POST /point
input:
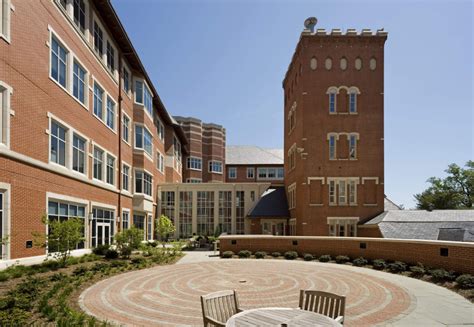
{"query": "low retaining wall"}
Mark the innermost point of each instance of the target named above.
(457, 256)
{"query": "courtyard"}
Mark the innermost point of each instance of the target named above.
(169, 295)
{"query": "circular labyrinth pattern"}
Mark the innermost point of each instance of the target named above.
(169, 295)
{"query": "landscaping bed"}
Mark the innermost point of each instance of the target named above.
(49, 292)
(462, 284)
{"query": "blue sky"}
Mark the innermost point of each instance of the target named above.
(224, 61)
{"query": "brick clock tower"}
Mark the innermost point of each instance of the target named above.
(334, 130)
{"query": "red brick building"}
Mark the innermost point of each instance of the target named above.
(246, 164)
(206, 158)
(83, 132)
(334, 131)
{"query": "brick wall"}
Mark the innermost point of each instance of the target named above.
(460, 254)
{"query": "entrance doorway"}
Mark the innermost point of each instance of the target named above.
(104, 234)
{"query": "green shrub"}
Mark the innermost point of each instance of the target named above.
(325, 258)
(51, 264)
(397, 266)
(111, 254)
(245, 254)
(79, 271)
(99, 266)
(379, 264)
(417, 271)
(138, 261)
(360, 262)
(101, 249)
(260, 254)
(465, 281)
(276, 254)
(72, 261)
(441, 275)
(308, 257)
(153, 244)
(291, 255)
(342, 259)
(57, 277)
(4, 276)
(228, 254)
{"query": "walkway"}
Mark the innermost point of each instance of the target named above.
(169, 295)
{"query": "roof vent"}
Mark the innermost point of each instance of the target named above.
(310, 23)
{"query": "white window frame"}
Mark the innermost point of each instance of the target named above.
(356, 141)
(252, 171)
(5, 20)
(211, 167)
(143, 126)
(145, 85)
(160, 162)
(143, 171)
(70, 131)
(104, 164)
(5, 112)
(105, 96)
(160, 130)
(114, 165)
(125, 211)
(86, 154)
(129, 177)
(71, 58)
(292, 196)
(189, 163)
(5, 225)
(334, 136)
(130, 79)
(232, 172)
(128, 128)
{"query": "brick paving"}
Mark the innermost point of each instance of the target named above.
(169, 295)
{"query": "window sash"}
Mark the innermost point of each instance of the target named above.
(98, 39)
(58, 62)
(342, 199)
(110, 169)
(332, 147)
(79, 83)
(332, 102)
(78, 154)
(58, 144)
(233, 172)
(250, 172)
(125, 128)
(98, 101)
(352, 103)
(110, 113)
(110, 57)
(98, 163)
(125, 177)
(80, 14)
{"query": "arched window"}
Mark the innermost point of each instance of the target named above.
(332, 93)
(352, 93)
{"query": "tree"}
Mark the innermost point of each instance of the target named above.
(164, 227)
(128, 240)
(63, 236)
(456, 191)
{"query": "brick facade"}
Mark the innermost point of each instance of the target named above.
(342, 64)
(37, 99)
(207, 144)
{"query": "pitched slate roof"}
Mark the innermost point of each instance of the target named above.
(252, 155)
(427, 225)
(273, 204)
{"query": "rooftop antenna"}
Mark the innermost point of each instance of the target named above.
(310, 23)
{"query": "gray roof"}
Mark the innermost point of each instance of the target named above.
(252, 155)
(389, 204)
(427, 225)
(273, 204)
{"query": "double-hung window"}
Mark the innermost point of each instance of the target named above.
(332, 192)
(78, 154)
(250, 172)
(58, 144)
(332, 147)
(125, 177)
(126, 128)
(353, 147)
(352, 192)
(143, 139)
(98, 40)
(177, 149)
(352, 103)
(98, 163)
(332, 102)
(110, 169)
(125, 219)
(342, 192)
(79, 83)
(58, 62)
(139, 92)
(4, 114)
(143, 182)
(143, 96)
(194, 163)
(5, 19)
(110, 57)
(98, 101)
(80, 14)
(160, 128)
(126, 80)
(232, 172)
(110, 113)
(160, 162)
(280, 173)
